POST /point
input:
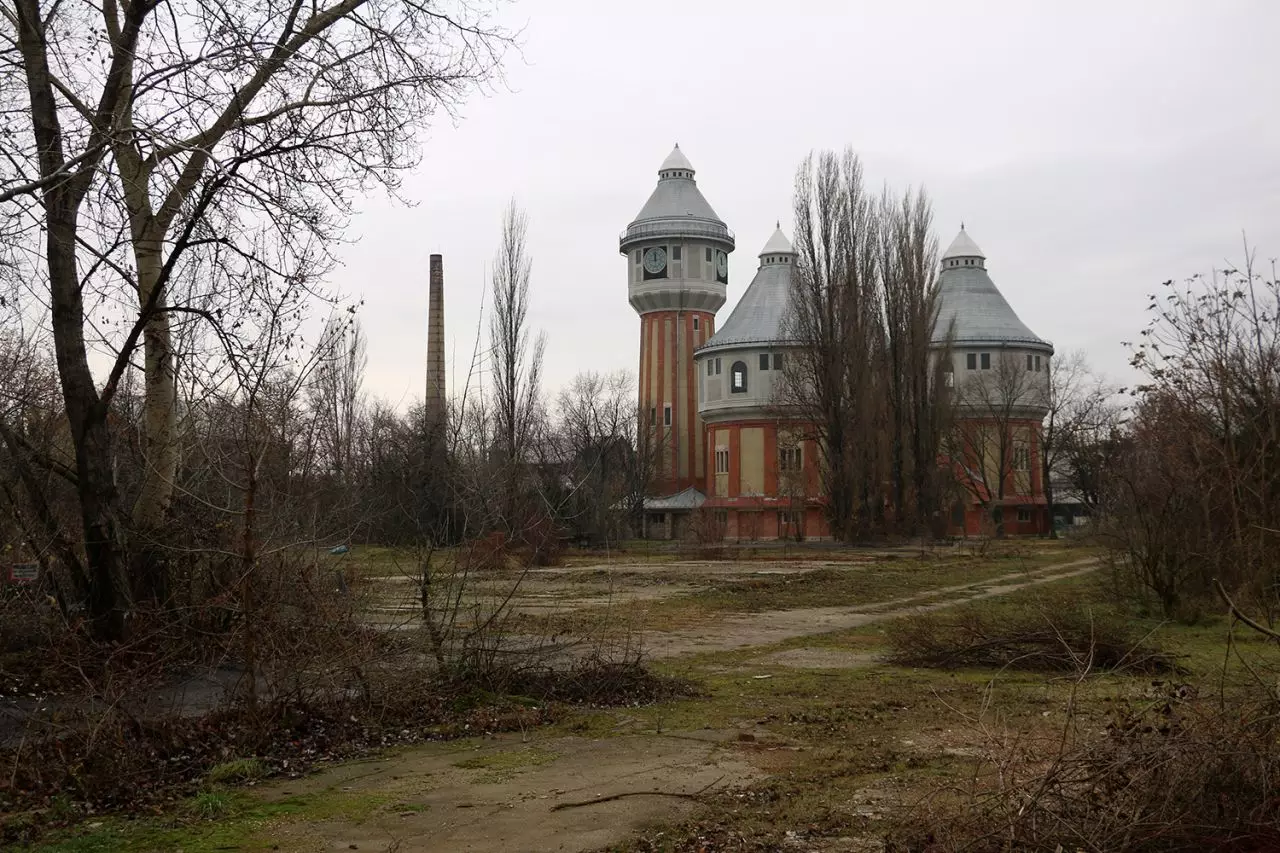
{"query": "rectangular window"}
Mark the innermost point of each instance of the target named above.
(971, 361)
(675, 253)
(710, 367)
(717, 367)
(637, 256)
(708, 254)
(722, 460)
(1021, 457)
(790, 459)
(666, 416)
(764, 361)
(1024, 514)
(1028, 361)
(695, 324)
(777, 361)
(986, 361)
(1037, 364)
(653, 415)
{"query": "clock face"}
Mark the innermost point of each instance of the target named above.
(722, 264)
(655, 260)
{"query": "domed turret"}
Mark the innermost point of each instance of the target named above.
(751, 342)
(971, 310)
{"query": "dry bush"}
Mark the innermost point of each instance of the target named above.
(705, 537)
(490, 553)
(1050, 635)
(1180, 773)
(543, 542)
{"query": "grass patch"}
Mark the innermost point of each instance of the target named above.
(237, 772)
(501, 766)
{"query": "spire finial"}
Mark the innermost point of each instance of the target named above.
(961, 221)
(777, 223)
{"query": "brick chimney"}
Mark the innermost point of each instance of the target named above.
(435, 399)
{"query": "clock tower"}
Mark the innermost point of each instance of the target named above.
(677, 252)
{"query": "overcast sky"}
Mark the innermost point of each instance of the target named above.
(1093, 150)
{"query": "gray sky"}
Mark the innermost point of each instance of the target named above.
(1093, 150)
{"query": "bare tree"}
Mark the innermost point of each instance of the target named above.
(516, 369)
(146, 137)
(990, 437)
(834, 318)
(1078, 405)
(909, 295)
(337, 395)
(862, 316)
(595, 444)
(1196, 494)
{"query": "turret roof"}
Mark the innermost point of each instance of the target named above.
(676, 160)
(970, 307)
(760, 316)
(778, 244)
(963, 247)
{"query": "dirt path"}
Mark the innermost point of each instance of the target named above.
(741, 630)
(506, 795)
(502, 794)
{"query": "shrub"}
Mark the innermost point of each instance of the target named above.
(1178, 774)
(1054, 635)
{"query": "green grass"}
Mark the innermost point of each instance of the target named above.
(213, 821)
(236, 772)
(501, 766)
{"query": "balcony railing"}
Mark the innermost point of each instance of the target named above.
(685, 227)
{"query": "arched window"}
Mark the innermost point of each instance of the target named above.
(738, 378)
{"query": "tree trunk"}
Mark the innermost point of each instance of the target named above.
(1048, 498)
(109, 601)
(160, 426)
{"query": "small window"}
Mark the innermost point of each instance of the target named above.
(695, 324)
(738, 377)
(717, 367)
(722, 518)
(764, 361)
(708, 251)
(710, 367)
(722, 460)
(971, 361)
(1028, 361)
(1037, 364)
(790, 459)
(666, 416)
(986, 361)
(1021, 458)
(637, 256)
(777, 361)
(675, 253)
(1024, 514)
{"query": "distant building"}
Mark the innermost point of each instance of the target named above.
(717, 442)
(999, 374)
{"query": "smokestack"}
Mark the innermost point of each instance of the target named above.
(435, 407)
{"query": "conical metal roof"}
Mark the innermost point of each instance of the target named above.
(971, 308)
(676, 160)
(778, 244)
(963, 247)
(676, 208)
(759, 317)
